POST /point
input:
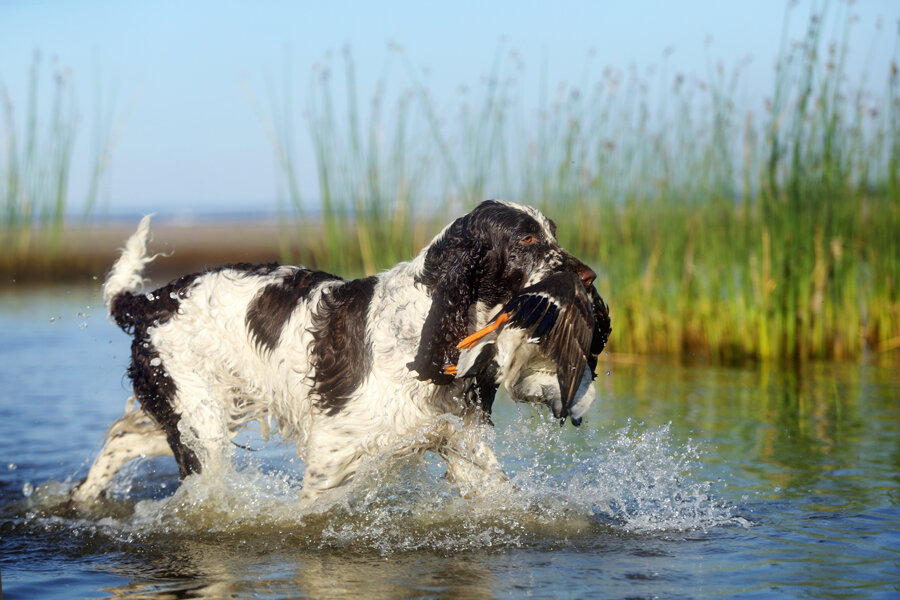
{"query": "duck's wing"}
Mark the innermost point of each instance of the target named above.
(602, 328)
(567, 341)
(533, 312)
(557, 315)
(522, 314)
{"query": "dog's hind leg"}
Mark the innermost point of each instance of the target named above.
(135, 435)
(197, 425)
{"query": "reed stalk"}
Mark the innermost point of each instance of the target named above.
(718, 230)
(36, 163)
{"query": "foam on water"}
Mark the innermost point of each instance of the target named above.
(566, 486)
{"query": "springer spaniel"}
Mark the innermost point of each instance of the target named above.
(344, 369)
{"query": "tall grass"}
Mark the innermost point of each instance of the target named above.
(367, 183)
(35, 165)
(718, 229)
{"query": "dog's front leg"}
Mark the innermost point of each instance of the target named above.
(471, 463)
(332, 456)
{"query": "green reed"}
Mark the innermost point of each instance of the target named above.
(35, 165)
(718, 231)
(366, 215)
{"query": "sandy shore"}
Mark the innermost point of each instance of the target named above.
(88, 251)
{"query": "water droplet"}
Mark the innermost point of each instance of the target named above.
(155, 362)
(27, 489)
(12, 466)
(607, 373)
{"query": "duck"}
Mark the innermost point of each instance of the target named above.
(542, 346)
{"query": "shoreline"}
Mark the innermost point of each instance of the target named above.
(89, 250)
(747, 326)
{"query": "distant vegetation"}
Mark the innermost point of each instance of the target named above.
(35, 165)
(718, 231)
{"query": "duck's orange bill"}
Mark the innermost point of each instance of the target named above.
(472, 339)
(450, 369)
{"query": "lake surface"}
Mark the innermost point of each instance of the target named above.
(683, 482)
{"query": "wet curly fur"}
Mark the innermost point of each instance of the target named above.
(344, 369)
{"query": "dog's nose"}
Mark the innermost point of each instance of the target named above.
(587, 275)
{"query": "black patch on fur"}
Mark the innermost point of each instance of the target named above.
(477, 258)
(482, 391)
(131, 310)
(482, 388)
(491, 224)
(448, 318)
(153, 387)
(482, 256)
(274, 304)
(341, 354)
(134, 312)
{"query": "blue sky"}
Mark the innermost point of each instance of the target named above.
(191, 142)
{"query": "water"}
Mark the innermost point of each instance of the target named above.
(683, 482)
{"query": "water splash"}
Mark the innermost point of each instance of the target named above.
(567, 486)
(641, 482)
(633, 479)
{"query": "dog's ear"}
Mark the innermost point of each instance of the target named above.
(453, 269)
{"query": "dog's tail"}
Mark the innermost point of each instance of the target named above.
(127, 274)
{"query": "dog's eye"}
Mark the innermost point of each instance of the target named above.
(528, 239)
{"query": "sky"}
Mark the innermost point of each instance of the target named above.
(180, 76)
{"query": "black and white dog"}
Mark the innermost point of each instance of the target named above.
(344, 369)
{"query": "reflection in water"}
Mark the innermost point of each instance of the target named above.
(212, 570)
(777, 431)
(339, 576)
(682, 481)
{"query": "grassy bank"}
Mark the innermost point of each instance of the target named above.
(718, 229)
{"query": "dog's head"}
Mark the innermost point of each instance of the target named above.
(486, 256)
